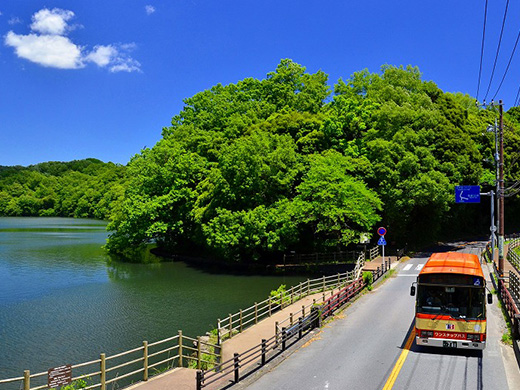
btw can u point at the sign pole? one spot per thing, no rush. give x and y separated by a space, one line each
382 231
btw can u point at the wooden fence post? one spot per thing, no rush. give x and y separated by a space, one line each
291 317
303 310
256 313
284 337
323 282
269 306
103 374
198 352
241 321
180 348
308 286
300 327
27 380
230 325
218 331
145 361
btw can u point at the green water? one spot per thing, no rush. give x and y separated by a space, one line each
62 301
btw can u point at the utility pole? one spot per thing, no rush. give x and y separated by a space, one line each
500 194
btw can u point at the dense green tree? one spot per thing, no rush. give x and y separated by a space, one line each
83 189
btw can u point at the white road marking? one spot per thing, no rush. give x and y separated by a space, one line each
414 275
407 267
419 267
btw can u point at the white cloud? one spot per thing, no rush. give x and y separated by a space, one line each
48 46
114 57
48 50
126 65
53 22
102 55
14 20
150 9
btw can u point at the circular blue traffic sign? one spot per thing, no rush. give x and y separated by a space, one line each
381 231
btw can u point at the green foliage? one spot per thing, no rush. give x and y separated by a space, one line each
250 170
77 384
279 296
82 189
368 278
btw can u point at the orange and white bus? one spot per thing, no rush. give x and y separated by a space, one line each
450 309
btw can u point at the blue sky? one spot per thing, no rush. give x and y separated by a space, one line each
100 79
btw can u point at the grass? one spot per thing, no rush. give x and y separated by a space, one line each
507 337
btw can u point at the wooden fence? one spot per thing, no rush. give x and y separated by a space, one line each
269 348
136 364
236 323
180 351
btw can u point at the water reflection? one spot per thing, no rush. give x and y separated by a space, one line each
62 300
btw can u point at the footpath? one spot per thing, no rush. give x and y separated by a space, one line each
185 379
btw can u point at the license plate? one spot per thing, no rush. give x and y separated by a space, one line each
449 344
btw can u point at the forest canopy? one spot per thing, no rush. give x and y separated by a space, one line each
82 189
251 170
261 167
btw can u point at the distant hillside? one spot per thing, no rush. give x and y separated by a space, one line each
86 188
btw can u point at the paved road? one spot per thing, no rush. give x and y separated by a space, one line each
360 350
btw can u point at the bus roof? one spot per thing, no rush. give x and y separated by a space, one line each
453 263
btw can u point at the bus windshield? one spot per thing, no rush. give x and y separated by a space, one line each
455 301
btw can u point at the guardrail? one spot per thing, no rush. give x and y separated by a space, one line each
244 318
511 307
264 351
137 363
283 334
342 297
512 256
380 271
160 355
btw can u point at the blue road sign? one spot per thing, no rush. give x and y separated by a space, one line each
381 231
381 241
467 194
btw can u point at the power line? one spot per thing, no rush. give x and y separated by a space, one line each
482 48
517 95
508 64
498 49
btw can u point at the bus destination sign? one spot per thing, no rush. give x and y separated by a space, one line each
59 376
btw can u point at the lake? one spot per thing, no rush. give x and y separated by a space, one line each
63 301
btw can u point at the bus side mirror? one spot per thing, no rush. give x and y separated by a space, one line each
490 298
412 291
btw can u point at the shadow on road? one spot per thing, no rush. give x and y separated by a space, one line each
468 355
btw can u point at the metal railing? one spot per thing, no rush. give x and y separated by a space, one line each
342 297
320 258
265 350
137 363
283 334
236 323
380 271
512 255
511 308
